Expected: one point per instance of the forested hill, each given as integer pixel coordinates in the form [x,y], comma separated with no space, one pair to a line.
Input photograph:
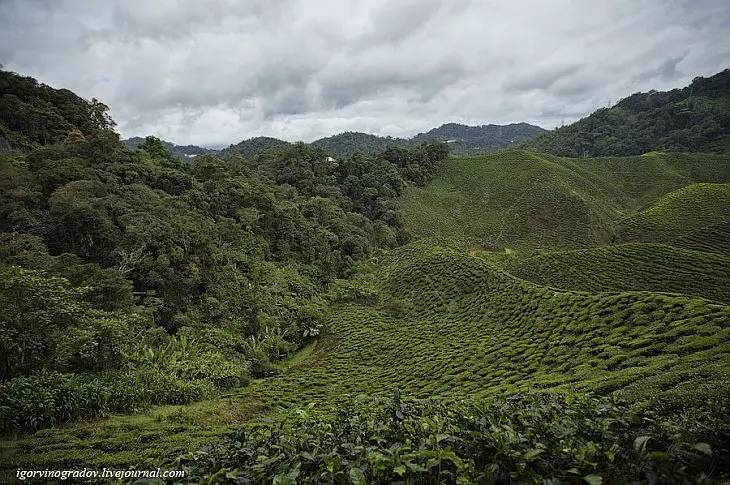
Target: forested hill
[34,114]
[475,140]
[186,151]
[349,142]
[461,139]
[254,145]
[693,119]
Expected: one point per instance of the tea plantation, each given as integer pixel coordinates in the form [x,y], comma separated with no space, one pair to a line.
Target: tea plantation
[554,321]
[625,267]
[522,200]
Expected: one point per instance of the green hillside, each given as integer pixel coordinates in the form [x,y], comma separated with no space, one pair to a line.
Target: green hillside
[714,238]
[692,119]
[627,267]
[486,332]
[680,213]
[519,199]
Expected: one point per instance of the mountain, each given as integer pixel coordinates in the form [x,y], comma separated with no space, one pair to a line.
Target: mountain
[187,151]
[692,119]
[251,146]
[349,142]
[462,139]
[475,140]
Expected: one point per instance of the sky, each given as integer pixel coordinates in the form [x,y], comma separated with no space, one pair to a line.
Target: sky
[215,72]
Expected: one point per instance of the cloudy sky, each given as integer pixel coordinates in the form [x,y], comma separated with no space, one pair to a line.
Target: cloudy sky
[215,72]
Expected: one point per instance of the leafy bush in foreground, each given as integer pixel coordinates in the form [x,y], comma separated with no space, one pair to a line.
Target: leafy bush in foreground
[44,400]
[518,439]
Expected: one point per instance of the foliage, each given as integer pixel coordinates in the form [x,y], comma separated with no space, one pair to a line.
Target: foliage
[693,119]
[517,439]
[33,114]
[44,400]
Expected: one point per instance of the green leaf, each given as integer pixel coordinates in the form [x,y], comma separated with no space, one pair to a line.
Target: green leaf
[532,453]
[357,477]
[288,478]
[416,467]
[593,479]
[400,470]
[640,444]
[703,448]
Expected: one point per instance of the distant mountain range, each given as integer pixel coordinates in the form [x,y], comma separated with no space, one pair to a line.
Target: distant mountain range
[462,140]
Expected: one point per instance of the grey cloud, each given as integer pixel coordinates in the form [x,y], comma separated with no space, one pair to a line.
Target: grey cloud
[395,21]
[541,78]
[218,71]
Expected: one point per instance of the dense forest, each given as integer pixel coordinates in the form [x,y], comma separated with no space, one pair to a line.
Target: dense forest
[692,119]
[130,277]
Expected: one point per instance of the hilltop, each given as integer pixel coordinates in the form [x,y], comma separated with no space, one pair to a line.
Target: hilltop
[475,140]
[692,119]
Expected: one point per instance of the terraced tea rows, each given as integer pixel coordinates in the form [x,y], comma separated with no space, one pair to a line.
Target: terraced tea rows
[714,238]
[683,212]
[451,325]
[627,267]
[524,200]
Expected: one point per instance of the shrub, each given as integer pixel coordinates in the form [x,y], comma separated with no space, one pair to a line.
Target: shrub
[47,399]
[516,439]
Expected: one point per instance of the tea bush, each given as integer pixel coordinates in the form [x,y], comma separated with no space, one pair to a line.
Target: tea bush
[572,438]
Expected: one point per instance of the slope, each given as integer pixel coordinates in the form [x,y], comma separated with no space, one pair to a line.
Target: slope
[627,267]
[486,333]
[693,119]
[519,199]
[680,213]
